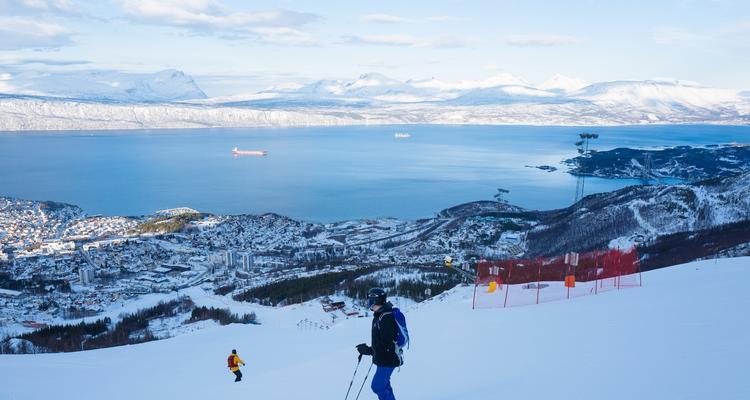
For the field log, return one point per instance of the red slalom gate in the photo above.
(511, 283)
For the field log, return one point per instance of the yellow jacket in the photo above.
(237, 362)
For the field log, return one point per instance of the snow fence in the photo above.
(510, 283)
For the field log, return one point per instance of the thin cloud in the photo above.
(28, 33)
(5, 86)
(380, 18)
(451, 41)
(404, 40)
(43, 61)
(670, 35)
(385, 19)
(444, 18)
(210, 17)
(45, 9)
(539, 40)
(283, 35)
(379, 65)
(385, 40)
(16, 7)
(732, 36)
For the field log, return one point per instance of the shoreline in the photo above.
(158, 130)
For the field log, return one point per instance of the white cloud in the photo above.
(385, 19)
(282, 35)
(5, 86)
(386, 40)
(279, 26)
(51, 62)
(409, 40)
(25, 32)
(26, 6)
(13, 60)
(540, 40)
(49, 5)
(451, 41)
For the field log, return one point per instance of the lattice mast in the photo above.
(584, 150)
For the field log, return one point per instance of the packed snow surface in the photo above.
(683, 335)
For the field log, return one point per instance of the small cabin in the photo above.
(336, 305)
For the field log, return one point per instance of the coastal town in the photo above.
(59, 265)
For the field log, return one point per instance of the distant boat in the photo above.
(259, 153)
(402, 135)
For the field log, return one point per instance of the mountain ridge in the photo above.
(172, 99)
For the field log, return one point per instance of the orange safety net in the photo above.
(509, 283)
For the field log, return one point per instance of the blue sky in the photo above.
(239, 46)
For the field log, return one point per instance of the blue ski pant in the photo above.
(381, 383)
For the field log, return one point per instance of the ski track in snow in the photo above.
(639, 218)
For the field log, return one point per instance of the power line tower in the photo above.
(584, 150)
(647, 173)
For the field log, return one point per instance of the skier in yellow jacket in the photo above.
(233, 362)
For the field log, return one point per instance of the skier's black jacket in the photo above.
(384, 331)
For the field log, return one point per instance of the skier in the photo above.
(233, 363)
(385, 352)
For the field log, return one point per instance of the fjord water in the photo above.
(318, 174)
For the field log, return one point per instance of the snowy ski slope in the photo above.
(684, 335)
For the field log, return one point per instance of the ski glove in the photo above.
(364, 349)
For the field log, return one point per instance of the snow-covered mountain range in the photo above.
(104, 86)
(374, 88)
(171, 99)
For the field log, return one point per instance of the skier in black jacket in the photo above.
(385, 355)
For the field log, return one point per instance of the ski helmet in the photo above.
(375, 296)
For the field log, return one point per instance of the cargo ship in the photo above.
(259, 153)
(402, 135)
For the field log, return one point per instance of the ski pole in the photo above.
(359, 359)
(363, 382)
